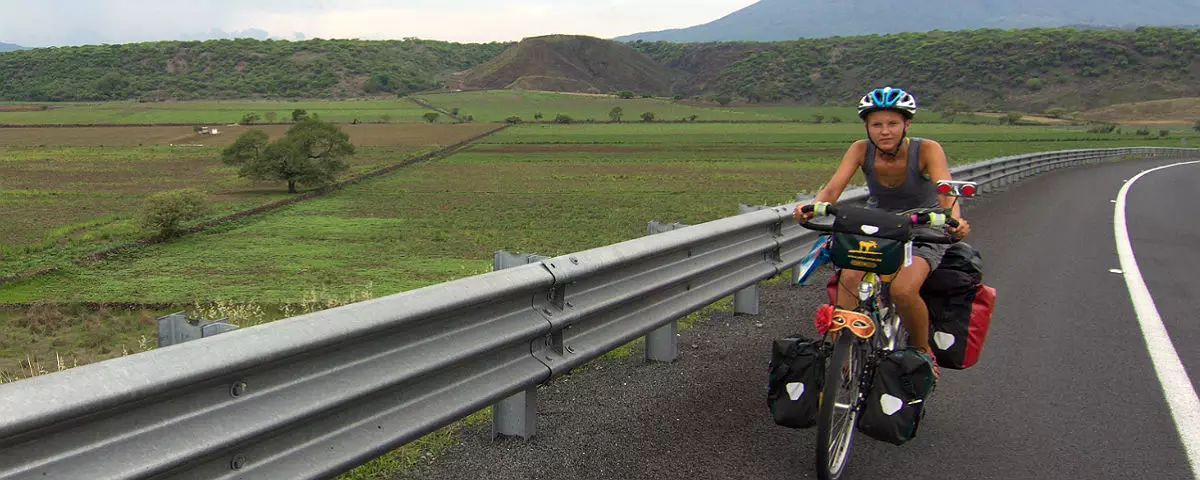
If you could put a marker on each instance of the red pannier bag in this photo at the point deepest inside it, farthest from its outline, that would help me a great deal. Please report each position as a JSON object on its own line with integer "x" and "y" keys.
{"x": 960, "y": 307}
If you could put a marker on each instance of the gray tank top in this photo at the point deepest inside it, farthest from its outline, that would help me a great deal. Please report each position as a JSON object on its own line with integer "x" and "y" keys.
{"x": 916, "y": 191}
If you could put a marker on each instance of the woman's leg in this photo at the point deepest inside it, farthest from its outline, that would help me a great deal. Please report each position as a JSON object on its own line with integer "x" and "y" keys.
{"x": 847, "y": 292}
{"x": 906, "y": 294}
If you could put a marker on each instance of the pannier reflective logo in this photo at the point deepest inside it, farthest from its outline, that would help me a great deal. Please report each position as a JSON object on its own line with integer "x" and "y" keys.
{"x": 866, "y": 247}
{"x": 795, "y": 390}
{"x": 858, "y": 324}
{"x": 943, "y": 340}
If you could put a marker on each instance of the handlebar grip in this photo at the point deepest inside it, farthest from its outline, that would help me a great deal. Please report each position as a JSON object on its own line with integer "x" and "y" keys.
{"x": 822, "y": 209}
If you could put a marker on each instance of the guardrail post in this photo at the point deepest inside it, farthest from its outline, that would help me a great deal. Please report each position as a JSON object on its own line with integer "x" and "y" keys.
{"x": 745, "y": 301}
{"x": 177, "y": 328}
{"x": 515, "y": 416}
{"x": 662, "y": 344}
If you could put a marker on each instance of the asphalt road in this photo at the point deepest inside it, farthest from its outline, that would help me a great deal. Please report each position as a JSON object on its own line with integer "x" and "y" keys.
{"x": 1065, "y": 387}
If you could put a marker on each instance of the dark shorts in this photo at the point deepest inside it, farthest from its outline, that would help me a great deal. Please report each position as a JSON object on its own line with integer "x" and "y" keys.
{"x": 931, "y": 252}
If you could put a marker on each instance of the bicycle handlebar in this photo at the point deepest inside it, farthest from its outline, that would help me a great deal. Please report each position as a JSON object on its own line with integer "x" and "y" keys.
{"x": 927, "y": 218}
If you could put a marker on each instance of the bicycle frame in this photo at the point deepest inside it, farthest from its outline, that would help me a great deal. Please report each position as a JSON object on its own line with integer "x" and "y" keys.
{"x": 862, "y": 358}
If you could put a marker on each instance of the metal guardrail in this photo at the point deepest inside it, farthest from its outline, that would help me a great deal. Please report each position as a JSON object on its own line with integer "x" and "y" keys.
{"x": 316, "y": 395}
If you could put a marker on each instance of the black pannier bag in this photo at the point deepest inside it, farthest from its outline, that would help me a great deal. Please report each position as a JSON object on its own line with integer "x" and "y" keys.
{"x": 960, "y": 307}
{"x": 794, "y": 384}
{"x": 871, "y": 240}
{"x": 962, "y": 257}
{"x": 896, "y": 401}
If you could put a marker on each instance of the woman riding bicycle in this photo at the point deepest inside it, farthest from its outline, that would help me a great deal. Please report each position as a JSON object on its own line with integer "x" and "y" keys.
{"x": 901, "y": 174}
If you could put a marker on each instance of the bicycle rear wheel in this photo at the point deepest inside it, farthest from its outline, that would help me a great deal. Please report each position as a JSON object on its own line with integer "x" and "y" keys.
{"x": 839, "y": 405}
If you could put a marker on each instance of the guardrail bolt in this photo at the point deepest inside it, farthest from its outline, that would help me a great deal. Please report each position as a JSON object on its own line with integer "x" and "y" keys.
{"x": 238, "y": 389}
{"x": 238, "y": 462}
{"x": 570, "y": 349}
{"x": 574, "y": 261}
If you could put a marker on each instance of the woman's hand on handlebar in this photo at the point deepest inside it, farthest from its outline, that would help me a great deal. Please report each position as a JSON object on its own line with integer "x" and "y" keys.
{"x": 960, "y": 231}
{"x": 800, "y": 215}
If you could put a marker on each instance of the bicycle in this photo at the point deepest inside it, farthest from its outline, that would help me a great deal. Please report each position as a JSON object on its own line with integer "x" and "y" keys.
{"x": 854, "y": 357}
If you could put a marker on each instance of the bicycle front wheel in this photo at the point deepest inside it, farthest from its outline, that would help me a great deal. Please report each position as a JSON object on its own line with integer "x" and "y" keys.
{"x": 839, "y": 405}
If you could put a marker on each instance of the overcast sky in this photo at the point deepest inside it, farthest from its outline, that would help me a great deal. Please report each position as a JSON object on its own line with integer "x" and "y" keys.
{"x": 43, "y": 23}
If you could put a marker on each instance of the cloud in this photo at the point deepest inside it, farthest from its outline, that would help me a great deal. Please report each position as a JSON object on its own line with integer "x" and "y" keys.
{"x": 71, "y": 22}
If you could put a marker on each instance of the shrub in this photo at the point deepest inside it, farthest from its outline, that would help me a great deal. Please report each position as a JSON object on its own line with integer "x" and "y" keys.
{"x": 164, "y": 213}
{"x": 626, "y": 94}
{"x": 560, "y": 118}
{"x": 648, "y": 117}
{"x": 513, "y": 120}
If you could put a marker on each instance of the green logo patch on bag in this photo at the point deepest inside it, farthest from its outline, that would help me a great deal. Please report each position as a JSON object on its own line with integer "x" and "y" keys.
{"x": 870, "y": 254}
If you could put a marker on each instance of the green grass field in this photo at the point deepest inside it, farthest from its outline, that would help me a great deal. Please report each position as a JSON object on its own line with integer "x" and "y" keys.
{"x": 397, "y": 110}
{"x": 547, "y": 189}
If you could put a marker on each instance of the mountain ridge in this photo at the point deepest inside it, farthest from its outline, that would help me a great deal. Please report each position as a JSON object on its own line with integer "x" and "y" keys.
{"x": 777, "y": 20}
{"x": 569, "y": 63}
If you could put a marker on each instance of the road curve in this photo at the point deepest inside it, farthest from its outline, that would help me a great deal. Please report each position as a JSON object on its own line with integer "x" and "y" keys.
{"x": 1064, "y": 389}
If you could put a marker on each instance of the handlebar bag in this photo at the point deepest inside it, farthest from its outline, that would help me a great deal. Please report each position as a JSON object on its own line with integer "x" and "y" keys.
{"x": 871, "y": 240}
{"x": 795, "y": 382}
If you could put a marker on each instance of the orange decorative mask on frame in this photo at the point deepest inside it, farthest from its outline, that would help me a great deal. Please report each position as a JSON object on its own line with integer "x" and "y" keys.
{"x": 858, "y": 324}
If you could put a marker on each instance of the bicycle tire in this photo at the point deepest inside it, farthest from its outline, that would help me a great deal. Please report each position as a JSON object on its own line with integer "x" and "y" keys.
{"x": 834, "y": 431}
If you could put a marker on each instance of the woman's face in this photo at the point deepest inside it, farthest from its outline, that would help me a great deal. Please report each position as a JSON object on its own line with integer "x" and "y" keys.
{"x": 886, "y": 128}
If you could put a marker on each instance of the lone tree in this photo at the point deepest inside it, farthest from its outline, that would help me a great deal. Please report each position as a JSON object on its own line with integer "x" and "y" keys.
{"x": 431, "y": 116}
{"x": 615, "y": 114}
{"x": 310, "y": 153}
{"x": 299, "y": 114}
{"x": 164, "y": 213}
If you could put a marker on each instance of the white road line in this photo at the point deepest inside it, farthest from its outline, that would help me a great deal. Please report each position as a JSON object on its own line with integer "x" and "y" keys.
{"x": 1181, "y": 397}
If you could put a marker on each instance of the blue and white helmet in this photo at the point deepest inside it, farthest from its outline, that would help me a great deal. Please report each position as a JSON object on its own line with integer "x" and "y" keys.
{"x": 888, "y": 98}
